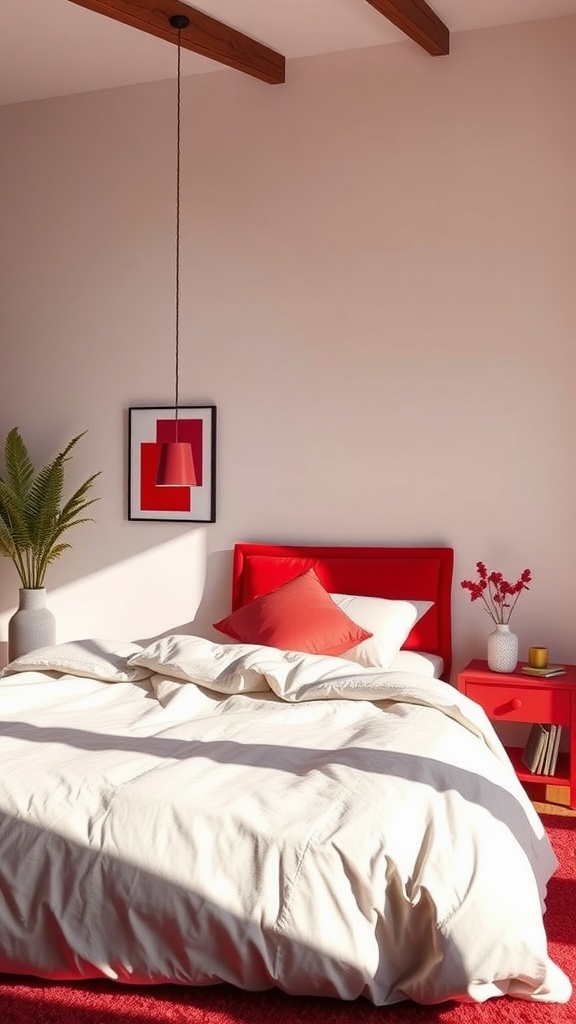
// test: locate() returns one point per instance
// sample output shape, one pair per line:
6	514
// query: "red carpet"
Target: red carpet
30	1001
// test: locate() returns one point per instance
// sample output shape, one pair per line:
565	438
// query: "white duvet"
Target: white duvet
294	821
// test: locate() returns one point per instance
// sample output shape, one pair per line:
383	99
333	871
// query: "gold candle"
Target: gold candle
538	657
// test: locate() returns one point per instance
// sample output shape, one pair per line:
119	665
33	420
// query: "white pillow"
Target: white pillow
93	659
225	668
420	662
388	620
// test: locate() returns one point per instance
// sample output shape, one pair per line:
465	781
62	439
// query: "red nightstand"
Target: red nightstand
515	697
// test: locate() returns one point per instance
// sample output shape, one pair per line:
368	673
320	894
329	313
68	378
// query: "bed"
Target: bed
297	801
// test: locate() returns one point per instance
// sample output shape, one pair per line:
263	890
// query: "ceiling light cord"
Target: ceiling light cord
177	292
178	21
175	465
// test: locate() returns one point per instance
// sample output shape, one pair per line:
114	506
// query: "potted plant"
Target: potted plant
499	598
34	516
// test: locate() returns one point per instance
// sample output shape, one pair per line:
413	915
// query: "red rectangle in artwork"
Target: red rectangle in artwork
188	430
159	499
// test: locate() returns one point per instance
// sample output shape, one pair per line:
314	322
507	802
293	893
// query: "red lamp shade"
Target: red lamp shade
175	465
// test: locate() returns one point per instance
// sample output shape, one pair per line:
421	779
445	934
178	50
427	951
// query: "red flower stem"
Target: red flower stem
490	608
494	610
512	606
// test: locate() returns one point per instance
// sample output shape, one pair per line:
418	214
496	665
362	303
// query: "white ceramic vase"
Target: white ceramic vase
502	649
32	625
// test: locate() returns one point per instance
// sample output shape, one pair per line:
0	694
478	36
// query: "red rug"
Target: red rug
32	1001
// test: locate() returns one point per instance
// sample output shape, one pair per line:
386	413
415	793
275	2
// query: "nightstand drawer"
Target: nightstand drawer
505	703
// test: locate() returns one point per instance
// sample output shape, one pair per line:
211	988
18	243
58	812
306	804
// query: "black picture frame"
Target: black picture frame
148	427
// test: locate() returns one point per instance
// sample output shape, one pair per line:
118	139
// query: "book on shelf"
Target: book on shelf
539	769
544	673
535	749
555	749
540	754
545	770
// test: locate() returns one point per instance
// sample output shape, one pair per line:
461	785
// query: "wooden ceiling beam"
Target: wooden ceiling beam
418	21
204	35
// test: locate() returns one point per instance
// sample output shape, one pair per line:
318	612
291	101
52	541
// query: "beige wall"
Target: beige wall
377	293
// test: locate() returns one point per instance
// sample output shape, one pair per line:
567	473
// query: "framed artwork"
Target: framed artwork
148	428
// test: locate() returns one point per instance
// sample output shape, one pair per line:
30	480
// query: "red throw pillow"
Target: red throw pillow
298	616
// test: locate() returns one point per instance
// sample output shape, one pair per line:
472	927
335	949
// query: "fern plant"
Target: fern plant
33	513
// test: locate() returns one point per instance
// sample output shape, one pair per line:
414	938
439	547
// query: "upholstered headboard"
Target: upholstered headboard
418	574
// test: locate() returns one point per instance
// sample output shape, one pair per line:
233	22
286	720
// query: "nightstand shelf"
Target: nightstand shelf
517	697
561	776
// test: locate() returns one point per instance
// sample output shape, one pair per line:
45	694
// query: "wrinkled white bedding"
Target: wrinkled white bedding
159	831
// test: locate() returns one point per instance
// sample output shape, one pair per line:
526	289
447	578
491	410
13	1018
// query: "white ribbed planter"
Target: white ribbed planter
32	625
502	648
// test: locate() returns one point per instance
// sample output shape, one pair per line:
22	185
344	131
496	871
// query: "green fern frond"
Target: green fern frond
64	454
7	546
13	515
77	503
56	551
18	465
45	500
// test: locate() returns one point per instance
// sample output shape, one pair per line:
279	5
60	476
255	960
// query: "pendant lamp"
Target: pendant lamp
175	462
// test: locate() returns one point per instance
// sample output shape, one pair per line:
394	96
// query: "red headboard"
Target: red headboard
419	574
